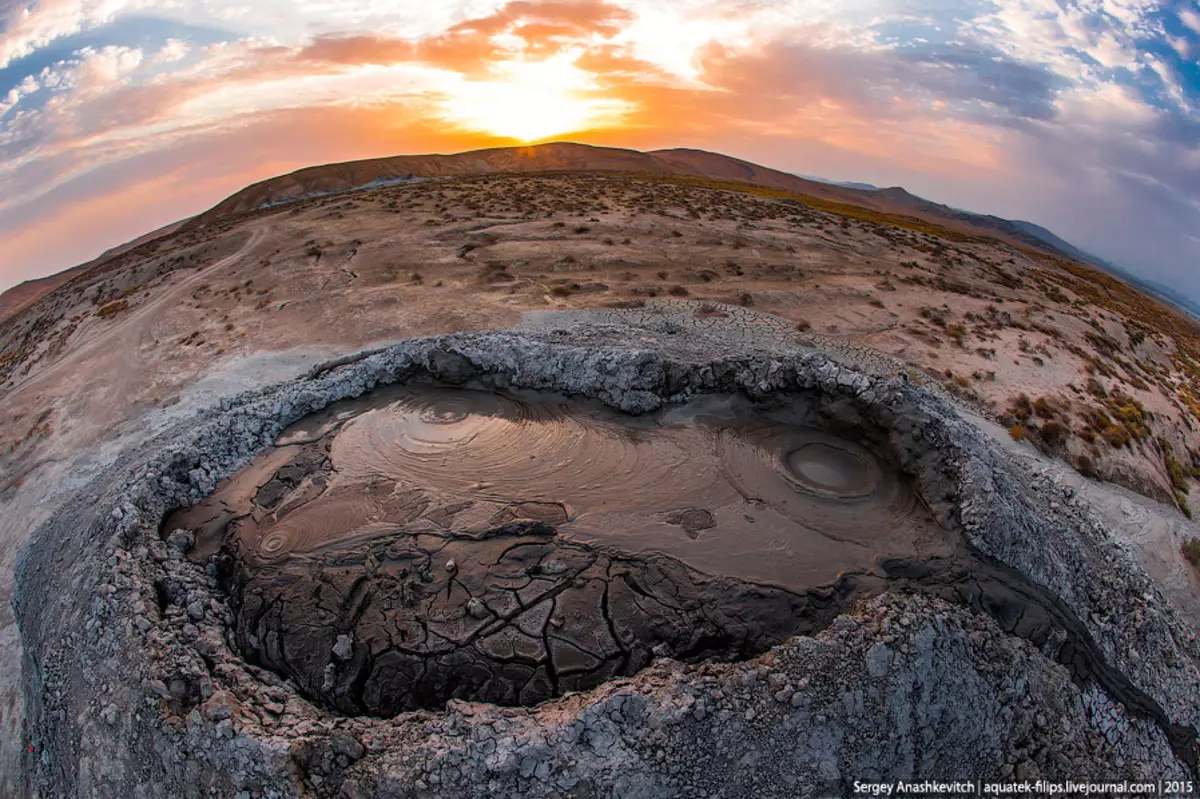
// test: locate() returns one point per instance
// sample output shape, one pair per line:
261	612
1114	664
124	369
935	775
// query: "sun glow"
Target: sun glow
532	100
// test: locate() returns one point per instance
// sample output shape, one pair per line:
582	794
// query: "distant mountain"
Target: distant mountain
854	185
1162	292
1151	287
1045	235
25	294
848	184
568	156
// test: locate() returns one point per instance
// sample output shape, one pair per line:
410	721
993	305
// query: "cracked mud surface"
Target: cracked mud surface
520	616
440	543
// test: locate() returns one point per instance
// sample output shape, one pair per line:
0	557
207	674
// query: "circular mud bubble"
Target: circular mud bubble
825	484
459	543
830	470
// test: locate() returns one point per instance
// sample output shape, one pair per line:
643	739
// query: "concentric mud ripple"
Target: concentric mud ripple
826	484
722	486
498	448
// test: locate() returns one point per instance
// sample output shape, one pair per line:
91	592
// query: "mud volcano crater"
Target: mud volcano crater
418	543
423	542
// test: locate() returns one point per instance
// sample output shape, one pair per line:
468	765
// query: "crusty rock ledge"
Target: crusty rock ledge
135	691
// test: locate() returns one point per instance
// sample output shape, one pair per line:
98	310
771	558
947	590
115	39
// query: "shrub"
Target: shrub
1176	472
112	308
1020	408
1116	435
1085	466
747	299
561	291
1018	432
803	325
1053	433
1191	551
677	291
1181	501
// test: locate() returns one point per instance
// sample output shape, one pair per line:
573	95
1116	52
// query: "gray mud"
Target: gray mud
1045	651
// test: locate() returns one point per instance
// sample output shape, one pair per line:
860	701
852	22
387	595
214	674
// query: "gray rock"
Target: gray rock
343	648
878	659
181	540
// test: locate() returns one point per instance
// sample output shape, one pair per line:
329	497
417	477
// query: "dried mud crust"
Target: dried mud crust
513	617
133	687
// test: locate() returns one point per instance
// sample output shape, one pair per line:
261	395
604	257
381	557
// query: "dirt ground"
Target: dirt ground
1070	361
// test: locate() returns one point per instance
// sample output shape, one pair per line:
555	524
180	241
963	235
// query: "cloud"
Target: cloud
541	28
1191	19
1082	114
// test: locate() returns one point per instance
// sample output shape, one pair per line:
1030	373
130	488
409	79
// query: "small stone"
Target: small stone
451	566
195	610
178	688
218	707
159	689
843	624
330	677
477	609
343	648
181	540
109	714
347	745
879	659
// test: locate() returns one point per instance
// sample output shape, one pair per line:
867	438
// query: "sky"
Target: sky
120	116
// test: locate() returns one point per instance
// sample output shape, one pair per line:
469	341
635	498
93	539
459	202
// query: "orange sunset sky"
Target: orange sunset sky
119	116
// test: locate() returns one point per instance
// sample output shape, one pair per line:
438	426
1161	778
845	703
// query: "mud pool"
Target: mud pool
758	493
425	543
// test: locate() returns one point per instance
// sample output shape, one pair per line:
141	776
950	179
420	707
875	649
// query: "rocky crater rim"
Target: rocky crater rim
1013	526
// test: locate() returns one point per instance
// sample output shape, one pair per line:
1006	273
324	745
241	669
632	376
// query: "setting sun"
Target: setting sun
531	101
